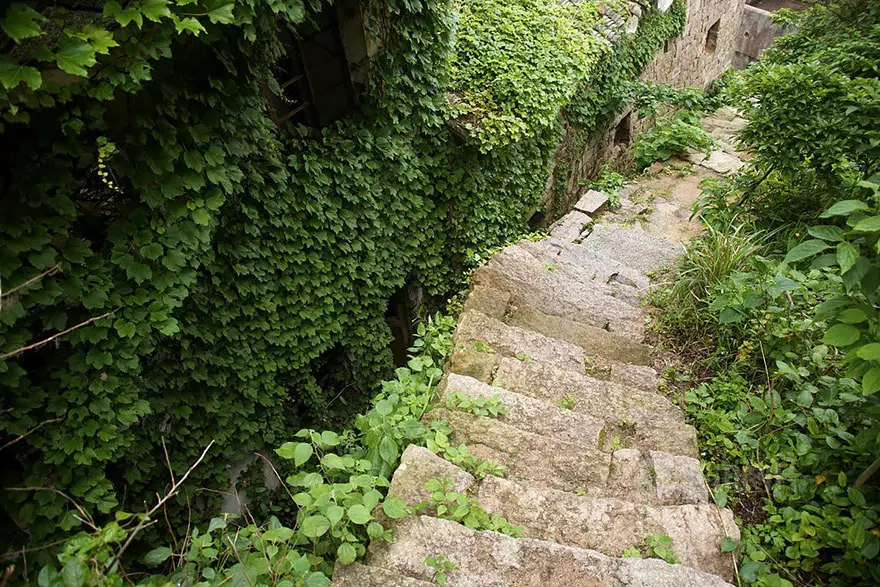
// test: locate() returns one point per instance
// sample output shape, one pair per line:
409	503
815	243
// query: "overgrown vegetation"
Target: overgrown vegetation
782	289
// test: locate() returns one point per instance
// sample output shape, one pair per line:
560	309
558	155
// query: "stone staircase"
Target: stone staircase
596	458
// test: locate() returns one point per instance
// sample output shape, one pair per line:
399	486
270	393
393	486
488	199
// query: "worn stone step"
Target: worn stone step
598	266
595	341
530	414
603	399
555	421
490	559
480	334
358	575
610	525
537	284
530	457
570	227
634	248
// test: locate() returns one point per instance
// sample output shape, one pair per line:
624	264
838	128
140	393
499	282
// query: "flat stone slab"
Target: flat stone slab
591	263
570	227
634	248
718	161
678	479
488	301
602	399
501	339
530	414
490	559
595	341
358	575
670	437
637	376
592	201
418	465
536	459
612	525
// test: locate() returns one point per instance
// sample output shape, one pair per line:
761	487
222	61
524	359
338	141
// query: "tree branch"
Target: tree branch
29	432
23	349
50	271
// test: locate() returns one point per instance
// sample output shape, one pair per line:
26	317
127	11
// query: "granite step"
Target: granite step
610	525
587	395
490	559
533	458
358	575
635	248
554	421
480	334
598	266
537	284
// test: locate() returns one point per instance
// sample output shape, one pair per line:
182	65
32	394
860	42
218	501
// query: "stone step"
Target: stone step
479	334
634	248
537	284
554	421
602	399
570	227
612	526
595	341
530	414
358	575
490	559
526	456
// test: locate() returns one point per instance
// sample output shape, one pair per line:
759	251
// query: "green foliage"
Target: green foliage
668	137
567	403
479	406
442	567
459	507
654	547
786	409
610	182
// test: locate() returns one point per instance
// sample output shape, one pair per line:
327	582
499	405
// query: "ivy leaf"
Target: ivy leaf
21	22
13	73
124	328
869	352
74	56
157	556
95	299
841	335
220	11
847	255
806	249
314	526
101	39
189	24
152	251
844	208
359	514
155	9
201	217
869	224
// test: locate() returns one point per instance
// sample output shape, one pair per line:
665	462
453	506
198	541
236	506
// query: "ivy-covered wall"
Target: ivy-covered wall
177	269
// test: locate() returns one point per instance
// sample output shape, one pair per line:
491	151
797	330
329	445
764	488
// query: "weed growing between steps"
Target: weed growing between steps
782	291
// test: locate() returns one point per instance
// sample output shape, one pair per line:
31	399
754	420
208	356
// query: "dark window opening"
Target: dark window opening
622	134
712	37
314	83
397	315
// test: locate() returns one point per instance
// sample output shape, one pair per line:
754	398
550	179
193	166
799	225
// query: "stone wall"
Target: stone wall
758	30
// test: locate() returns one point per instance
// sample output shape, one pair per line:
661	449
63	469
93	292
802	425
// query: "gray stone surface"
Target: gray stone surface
671	437
610	525
539	460
595	341
358	575
637	376
489	559
678	479
531	415
479	365
602	399
417	466
637	249
488	301
509	341
593	201
570	227
718	161
599	267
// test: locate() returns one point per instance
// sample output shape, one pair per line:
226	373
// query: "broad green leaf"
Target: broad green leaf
189	24
278	535
100	39
216	524
844	208
841	335
317	580
856	496
314	526
359	514
869	224
346	553
155	10
157	556
13	73
871	381
394	508
826	233
333	461
806	249
388	449
334	513
201	217
729	544
852	316
869	352
74	56
152	251
330	438
75	572
21	22
220	11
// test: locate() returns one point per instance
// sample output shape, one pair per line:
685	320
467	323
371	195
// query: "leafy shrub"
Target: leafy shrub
668	137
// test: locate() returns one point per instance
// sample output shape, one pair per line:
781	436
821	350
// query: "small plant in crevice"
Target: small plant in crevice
669	137
478	406
566	403
460	507
654	547
609	182
441	566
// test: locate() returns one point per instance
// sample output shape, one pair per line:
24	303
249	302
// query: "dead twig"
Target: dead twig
50	271
23	349
29	432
